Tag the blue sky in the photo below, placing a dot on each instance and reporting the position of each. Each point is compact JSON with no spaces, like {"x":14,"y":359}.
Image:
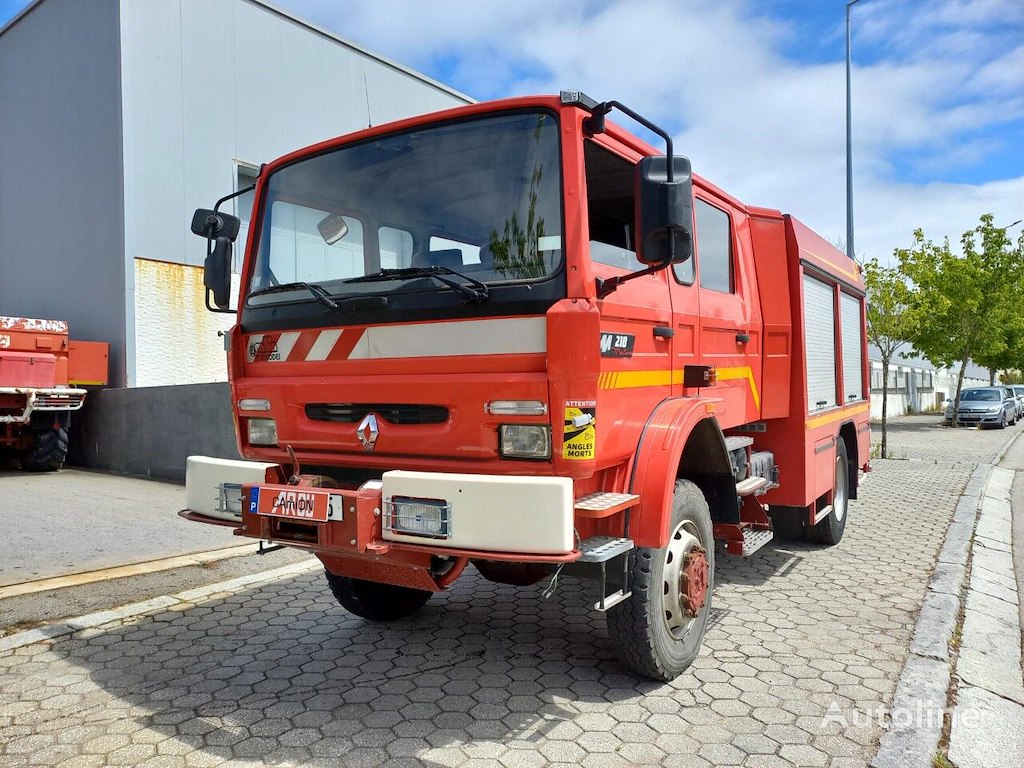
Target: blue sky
{"x":754,"y":91}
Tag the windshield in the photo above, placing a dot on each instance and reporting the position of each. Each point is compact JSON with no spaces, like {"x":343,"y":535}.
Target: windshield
{"x":982,"y":394}
{"x":480,"y":197}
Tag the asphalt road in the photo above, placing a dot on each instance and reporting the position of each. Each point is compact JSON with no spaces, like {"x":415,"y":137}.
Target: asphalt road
{"x":71,"y":521}
{"x":75,"y":521}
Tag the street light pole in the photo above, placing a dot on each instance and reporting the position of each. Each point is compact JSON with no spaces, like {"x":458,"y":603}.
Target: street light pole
{"x":849,"y":141}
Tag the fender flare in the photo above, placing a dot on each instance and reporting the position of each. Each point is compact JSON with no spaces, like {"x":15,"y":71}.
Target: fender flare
{"x":656,"y":464}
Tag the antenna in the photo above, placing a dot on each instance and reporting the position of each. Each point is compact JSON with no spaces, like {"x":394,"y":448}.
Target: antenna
{"x":366,"y":91}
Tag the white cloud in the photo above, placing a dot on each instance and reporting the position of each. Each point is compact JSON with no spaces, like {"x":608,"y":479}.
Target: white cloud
{"x":766,"y":128}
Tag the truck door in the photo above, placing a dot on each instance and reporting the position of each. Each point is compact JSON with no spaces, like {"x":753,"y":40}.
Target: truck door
{"x":636,"y":319}
{"x":729,"y":323}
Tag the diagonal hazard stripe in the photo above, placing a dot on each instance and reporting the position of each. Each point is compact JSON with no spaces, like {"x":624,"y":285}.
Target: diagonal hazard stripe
{"x":300,"y":350}
{"x":325,"y":341}
{"x":344,"y":346}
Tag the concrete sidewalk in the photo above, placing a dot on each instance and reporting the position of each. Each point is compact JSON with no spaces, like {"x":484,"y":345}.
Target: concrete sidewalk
{"x":987,"y":728}
{"x":960,"y":697}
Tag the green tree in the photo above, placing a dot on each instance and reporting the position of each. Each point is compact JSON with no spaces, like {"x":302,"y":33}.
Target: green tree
{"x":890,"y":323}
{"x":1009,"y":354}
{"x":963,"y":305}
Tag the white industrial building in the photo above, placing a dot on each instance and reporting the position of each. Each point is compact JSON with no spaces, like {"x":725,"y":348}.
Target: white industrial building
{"x":915,"y":385}
{"x":120,"y":117}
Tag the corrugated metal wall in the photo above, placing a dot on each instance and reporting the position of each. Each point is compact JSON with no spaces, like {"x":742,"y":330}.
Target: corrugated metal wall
{"x":61,"y":214}
{"x":207,"y":85}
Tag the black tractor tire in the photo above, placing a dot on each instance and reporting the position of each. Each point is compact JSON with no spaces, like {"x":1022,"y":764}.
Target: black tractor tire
{"x":49,"y":449}
{"x":639,"y":627}
{"x":830,"y":529}
{"x":376,"y":602}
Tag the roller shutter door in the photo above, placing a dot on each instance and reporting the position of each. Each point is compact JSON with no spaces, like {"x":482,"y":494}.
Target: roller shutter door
{"x":852,"y":334}
{"x":819,"y":344}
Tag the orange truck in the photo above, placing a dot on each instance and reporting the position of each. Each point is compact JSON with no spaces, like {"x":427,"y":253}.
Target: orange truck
{"x":42,"y":373}
{"x":514,"y":334}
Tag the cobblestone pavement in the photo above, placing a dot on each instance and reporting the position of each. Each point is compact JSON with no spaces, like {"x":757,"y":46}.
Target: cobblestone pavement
{"x":806,"y":643}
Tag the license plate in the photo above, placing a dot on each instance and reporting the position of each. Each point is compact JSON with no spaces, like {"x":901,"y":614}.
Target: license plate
{"x":295,"y":504}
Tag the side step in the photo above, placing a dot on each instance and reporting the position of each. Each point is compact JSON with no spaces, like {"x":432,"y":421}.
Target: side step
{"x":751,"y":485}
{"x":742,"y":539}
{"x":754,"y":539}
{"x":601,"y":549}
{"x":604,"y":504}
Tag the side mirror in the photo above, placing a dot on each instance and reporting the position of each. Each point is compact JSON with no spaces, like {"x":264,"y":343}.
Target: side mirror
{"x":217,"y":273}
{"x":664,"y":210}
{"x":211,"y":224}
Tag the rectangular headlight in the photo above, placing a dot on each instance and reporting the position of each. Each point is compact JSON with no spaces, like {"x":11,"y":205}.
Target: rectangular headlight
{"x":419,"y":517}
{"x":262,"y":432}
{"x":525,"y":441}
{"x":253,"y":404}
{"x":516,"y":408}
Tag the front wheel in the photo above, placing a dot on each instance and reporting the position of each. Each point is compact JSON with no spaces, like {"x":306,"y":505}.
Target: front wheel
{"x":376,"y":602}
{"x":830,"y":529}
{"x":657,"y":632}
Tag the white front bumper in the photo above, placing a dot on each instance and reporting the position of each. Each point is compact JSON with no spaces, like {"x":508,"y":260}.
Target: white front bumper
{"x":492,"y":513}
{"x":213,"y":486}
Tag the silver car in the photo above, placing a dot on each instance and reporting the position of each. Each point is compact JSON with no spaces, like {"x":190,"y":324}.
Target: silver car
{"x":1018,"y":390}
{"x":985,"y":407}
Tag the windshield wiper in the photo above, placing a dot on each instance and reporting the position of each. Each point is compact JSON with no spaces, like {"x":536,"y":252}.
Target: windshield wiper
{"x":318,"y":292}
{"x":475,"y":291}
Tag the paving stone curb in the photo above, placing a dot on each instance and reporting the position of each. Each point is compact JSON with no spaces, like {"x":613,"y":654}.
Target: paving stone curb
{"x":188,"y":597}
{"x":928,"y":671}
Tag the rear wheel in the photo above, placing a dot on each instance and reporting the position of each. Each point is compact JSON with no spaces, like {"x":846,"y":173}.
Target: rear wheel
{"x":658,"y":631}
{"x":376,"y":602}
{"x":830,"y":529}
{"x":49,"y":449}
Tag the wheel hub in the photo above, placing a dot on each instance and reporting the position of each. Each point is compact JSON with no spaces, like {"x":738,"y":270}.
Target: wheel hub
{"x":693,"y":581}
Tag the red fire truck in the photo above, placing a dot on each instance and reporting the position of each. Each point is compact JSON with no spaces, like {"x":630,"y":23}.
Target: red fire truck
{"x":42,"y":375}
{"x":513,"y":334}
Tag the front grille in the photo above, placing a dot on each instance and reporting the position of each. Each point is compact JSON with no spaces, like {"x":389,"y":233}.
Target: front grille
{"x":353,"y":413}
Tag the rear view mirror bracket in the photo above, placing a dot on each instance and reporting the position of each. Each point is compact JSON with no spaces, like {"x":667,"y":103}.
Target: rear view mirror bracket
{"x":220,"y":231}
{"x":664,"y":196}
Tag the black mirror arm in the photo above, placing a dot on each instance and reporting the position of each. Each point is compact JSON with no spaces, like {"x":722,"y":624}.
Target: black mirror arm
{"x":605,"y":286}
{"x":595,"y":124}
{"x":233,"y":195}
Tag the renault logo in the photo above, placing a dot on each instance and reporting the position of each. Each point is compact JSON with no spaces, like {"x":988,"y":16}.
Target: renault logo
{"x":367,"y":432}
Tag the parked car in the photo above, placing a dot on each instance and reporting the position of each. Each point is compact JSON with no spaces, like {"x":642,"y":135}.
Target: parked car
{"x":1018,"y":390}
{"x":985,"y":407}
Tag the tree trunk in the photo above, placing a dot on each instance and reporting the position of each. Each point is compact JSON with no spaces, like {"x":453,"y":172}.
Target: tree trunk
{"x":885,"y":404}
{"x":959,"y":386}
{"x":991,"y":377}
